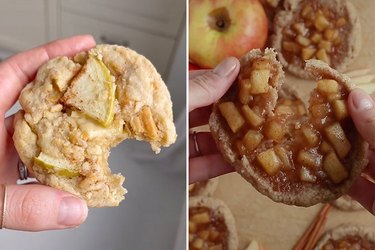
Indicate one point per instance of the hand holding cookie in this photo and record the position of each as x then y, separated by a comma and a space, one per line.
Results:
205, 88
362, 110
33, 207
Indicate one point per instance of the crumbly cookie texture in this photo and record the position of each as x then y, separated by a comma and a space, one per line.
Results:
77, 108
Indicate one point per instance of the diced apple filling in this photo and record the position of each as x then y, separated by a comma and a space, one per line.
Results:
204, 234
284, 110
284, 157
259, 81
307, 176
316, 37
201, 218
303, 40
336, 136
269, 161
244, 93
274, 131
192, 227
214, 235
341, 110
328, 86
326, 45
308, 159
291, 47
300, 28
252, 139
251, 117
261, 64
323, 56
301, 110
325, 147
198, 243
231, 115
311, 136
334, 168
321, 22
308, 53
216, 247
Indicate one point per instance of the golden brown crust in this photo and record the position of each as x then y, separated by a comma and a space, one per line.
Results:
286, 15
203, 188
345, 230
220, 209
307, 194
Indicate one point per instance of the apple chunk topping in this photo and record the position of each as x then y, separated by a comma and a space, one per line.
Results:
207, 229
269, 161
334, 168
92, 91
289, 143
259, 81
315, 32
336, 136
231, 115
252, 139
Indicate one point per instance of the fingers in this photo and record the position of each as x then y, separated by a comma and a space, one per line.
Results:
36, 208
205, 167
9, 125
370, 169
207, 88
20, 69
364, 192
362, 110
199, 116
198, 72
206, 144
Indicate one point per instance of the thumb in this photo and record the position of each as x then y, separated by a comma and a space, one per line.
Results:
207, 88
35, 207
362, 110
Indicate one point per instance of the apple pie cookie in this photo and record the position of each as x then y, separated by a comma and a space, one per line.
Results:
77, 108
289, 154
203, 188
211, 225
326, 30
347, 237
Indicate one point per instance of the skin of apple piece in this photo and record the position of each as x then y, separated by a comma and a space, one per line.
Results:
65, 171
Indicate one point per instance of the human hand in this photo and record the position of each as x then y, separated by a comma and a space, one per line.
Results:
33, 207
205, 88
362, 109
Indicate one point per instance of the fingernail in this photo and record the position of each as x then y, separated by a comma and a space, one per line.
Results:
226, 67
72, 211
362, 101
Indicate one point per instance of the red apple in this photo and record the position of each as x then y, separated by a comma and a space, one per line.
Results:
222, 28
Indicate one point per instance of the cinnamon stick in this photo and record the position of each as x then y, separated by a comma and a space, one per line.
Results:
314, 236
311, 235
